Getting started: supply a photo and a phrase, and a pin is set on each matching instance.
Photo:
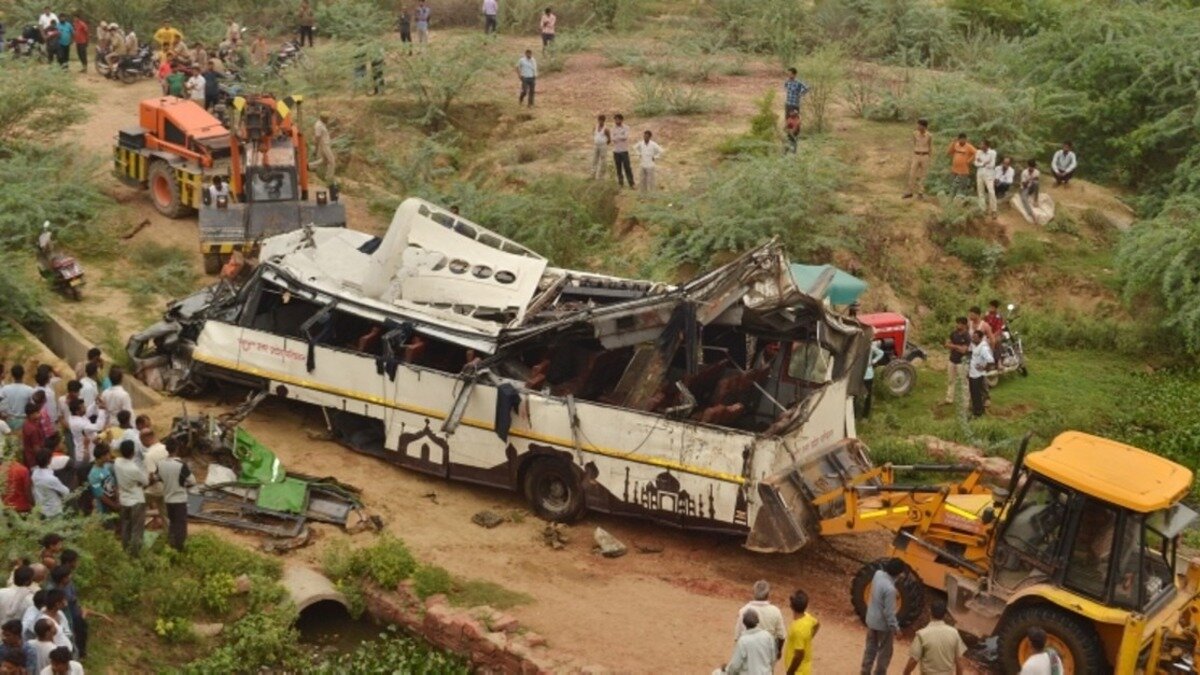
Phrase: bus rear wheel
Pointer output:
(554, 490)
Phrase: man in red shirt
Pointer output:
(993, 318)
(18, 488)
(33, 438)
(82, 36)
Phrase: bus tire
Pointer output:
(554, 490)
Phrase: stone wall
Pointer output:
(493, 641)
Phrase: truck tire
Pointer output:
(1075, 640)
(212, 263)
(164, 190)
(910, 593)
(899, 377)
(554, 490)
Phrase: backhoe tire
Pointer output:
(899, 377)
(910, 593)
(554, 490)
(164, 190)
(212, 263)
(1072, 636)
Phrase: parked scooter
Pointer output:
(1010, 352)
(60, 269)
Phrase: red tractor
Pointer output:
(896, 370)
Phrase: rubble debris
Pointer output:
(431, 496)
(996, 468)
(644, 548)
(487, 519)
(554, 535)
(608, 545)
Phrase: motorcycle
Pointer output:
(129, 68)
(60, 269)
(1010, 351)
(288, 55)
(25, 45)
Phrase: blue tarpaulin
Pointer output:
(845, 289)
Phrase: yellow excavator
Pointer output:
(1082, 542)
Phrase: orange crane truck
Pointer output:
(179, 148)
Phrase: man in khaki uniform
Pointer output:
(922, 147)
(323, 149)
(937, 649)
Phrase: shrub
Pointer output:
(438, 81)
(264, 639)
(157, 270)
(430, 580)
(1025, 250)
(744, 202)
(353, 19)
(389, 562)
(763, 137)
(393, 652)
(342, 562)
(38, 102)
(1015, 18)
(217, 591)
(1159, 260)
(654, 96)
(980, 255)
(823, 71)
(762, 26)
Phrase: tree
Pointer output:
(38, 102)
(1160, 259)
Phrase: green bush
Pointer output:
(763, 138)
(389, 562)
(435, 84)
(393, 652)
(39, 103)
(1025, 250)
(430, 580)
(654, 97)
(353, 19)
(1016, 18)
(264, 639)
(1159, 260)
(824, 72)
(217, 591)
(762, 26)
(207, 554)
(340, 561)
(980, 255)
(744, 202)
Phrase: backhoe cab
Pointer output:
(1083, 544)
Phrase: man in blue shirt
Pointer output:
(66, 36)
(882, 624)
(793, 89)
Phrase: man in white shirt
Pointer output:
(131, 480)
(115, 398)
(490, 9)
(981, 359)
(48, 491)
(648, 152)
(1005, 175)
(1063, 164)
(755, 650)
(770, 618)
(83, 436)
(985, 177)
(61, 663)
(89, 388)
(155, 453)
(1041, 662)
(219, 188)
(195, 86)
(620, 143)
(527, 71)
(601, 138)
(14, 396)
(18, 597)
(44, 20)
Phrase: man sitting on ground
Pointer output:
(1063, 164)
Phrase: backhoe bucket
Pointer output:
(787, 520)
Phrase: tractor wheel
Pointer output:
(910, 593)
(899, 377)
(164, 190)
(212, 263)
(1071, 636)
(554, 490)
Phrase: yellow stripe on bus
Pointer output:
(478, 424)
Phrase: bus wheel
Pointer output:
(554, 490)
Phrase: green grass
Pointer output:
(153, 270)
(474, 592)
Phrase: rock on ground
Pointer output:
(608, 545)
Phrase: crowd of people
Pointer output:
(972, 347)
(42, 619)
(86, 450)
(764, 640)
(995, 176)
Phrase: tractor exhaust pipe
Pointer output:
(1017, 464)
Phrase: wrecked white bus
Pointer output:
(719, 404)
